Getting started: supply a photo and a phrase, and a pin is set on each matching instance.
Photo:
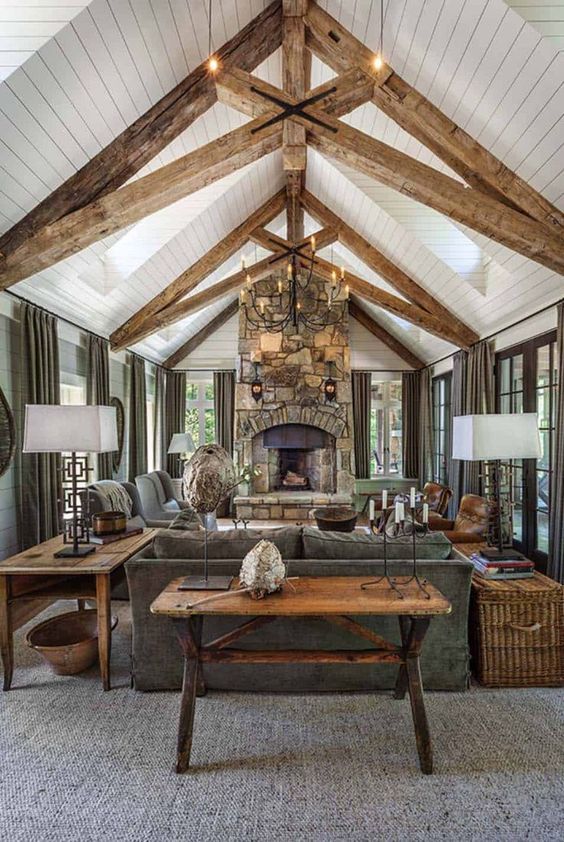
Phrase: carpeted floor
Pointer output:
(80, 764)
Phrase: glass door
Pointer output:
(526, 381)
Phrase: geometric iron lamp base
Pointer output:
(212, 583)
(495, 554)
(70, 552)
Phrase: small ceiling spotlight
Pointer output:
(379, 57)
(213, 64)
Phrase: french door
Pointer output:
(526, 381)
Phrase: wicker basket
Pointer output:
(517, 632)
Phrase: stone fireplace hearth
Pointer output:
(292, 367)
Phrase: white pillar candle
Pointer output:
(412, 497)
(398, 513)
(425, 513)
(402, 511)
(371, 510)
(385, 499)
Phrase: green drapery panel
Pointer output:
(40, 475)
(411, 427)
(556, 543)
(160, 444)
(361, 397)
(175, 416)
(137, 463)
(425, 472)
(224, 412)
(98, 390)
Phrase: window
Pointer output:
(200, 413)
(526, 381)
(385, 428)
(441, 389)
(72, 389)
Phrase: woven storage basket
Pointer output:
(517, 632)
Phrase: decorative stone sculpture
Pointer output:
(208, 478)
(262, 570)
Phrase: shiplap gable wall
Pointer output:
(546, 16)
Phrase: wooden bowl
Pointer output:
(336, 518)
(68, 642)
(109, 523)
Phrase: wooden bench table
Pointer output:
(34, 579)
(331, 599)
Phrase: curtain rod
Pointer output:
(501, 330)
(73, 324)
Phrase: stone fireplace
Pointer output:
(294, 428)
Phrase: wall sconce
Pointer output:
(256, 386)
(330, 386)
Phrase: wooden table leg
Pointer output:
(189, 632)
(401, 681)
(6, 637)
(103, 604)
(419, 626)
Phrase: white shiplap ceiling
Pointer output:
(481, 61)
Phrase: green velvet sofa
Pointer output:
(157, 661)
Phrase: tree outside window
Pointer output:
(386, 429)
(200, 413)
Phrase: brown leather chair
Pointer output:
(470, 525)
(437, 496)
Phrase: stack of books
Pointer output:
(507, 568)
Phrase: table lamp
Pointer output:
(181, 443)
(71, 429)
(493, 439)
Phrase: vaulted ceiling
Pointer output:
(479, 62)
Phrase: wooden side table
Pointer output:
(34, 579)
(330, 599)
(516, 629)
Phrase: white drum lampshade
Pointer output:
(69, 429)
(492, 437)
(181, 443)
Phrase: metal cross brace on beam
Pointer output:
(293, 110)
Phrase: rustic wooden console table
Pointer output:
(332, 599)
(34, 579)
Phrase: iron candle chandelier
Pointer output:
(291, 302)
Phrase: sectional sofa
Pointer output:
(157, 661)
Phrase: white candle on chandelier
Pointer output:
(249, 283)
(334, 277)
(280, 286)
(347, 290)
(289, 271)
(312, 242)
(262, 308)
(342, 273)
(242, 296)
(412, 497)
(371, 511)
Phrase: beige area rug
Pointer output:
(80, 764)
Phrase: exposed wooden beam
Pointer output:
(246, 93)
(196, 340)
(338, 48)
(470, 207)
(294, 153)
(380, 332)
(273, 242)
(409, 312)
(180, 309)
(187, 281)
(388, 270)
(154, 130)
(138, 199)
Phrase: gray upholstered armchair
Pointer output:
(99, 503)
(156, 493)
